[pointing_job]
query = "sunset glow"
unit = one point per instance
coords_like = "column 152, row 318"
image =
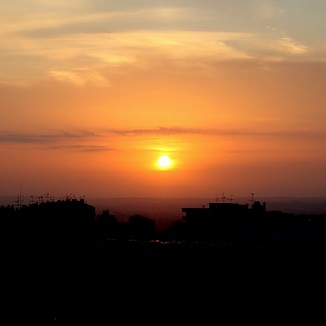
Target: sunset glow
column 94, row 92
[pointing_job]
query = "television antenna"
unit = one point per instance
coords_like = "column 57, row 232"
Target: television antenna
column 252, row 198
column 47, row 196
column 19, row 201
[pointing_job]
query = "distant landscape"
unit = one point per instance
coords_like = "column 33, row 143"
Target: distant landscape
column 166, row 211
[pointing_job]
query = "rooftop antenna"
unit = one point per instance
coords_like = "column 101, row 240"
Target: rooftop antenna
column 252, row 198
column 20, row 195
column 19, row 201
column 231, row 198
column 223, row 197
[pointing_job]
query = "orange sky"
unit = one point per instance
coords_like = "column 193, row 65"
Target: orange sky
column 91, row 95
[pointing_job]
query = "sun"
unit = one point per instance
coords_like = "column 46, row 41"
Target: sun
column 164, row 162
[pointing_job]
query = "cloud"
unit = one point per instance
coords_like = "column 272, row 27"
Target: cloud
column 77, row 142
column 30, row 138
column 80, row 77
column 77, row 41
column 63, row 140
column 292, row 47
column 88, row 142
column 267, row 10
column 164, row 131
column 57, row 4
column 81, row 148
column 157, row 131
column 84, row 59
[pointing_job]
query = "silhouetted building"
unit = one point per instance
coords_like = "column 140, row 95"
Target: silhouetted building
column 224, row 221
column 106, row 225
column 235, row 223
column 50, row 221
column 217, row 211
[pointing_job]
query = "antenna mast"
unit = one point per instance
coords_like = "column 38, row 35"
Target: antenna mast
column 20, row 200
column 252, row 198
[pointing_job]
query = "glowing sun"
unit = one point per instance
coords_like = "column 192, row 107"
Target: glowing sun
column 164, row 162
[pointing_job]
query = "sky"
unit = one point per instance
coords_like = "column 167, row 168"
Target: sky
column 93, row 92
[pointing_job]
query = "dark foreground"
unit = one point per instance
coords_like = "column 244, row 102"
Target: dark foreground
column 121, row 282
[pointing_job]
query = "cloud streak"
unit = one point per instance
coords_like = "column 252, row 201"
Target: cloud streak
column 82, row 148
column 164, row 131
column 43, row 138
column 73, row 142
column 80, row 77
column 90, row 37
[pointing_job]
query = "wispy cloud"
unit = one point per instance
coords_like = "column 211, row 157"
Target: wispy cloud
column 63, row 140
column 83, row 58
column 268, row 10
column 43, row 138
column 290, row 46
column 158, row 131
column 67, row 141
column 81, row 148
column 82, row 42
column 164, row 131
column 80, row 77
column 77, row 42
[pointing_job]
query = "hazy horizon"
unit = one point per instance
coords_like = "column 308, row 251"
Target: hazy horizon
column 166, row 211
